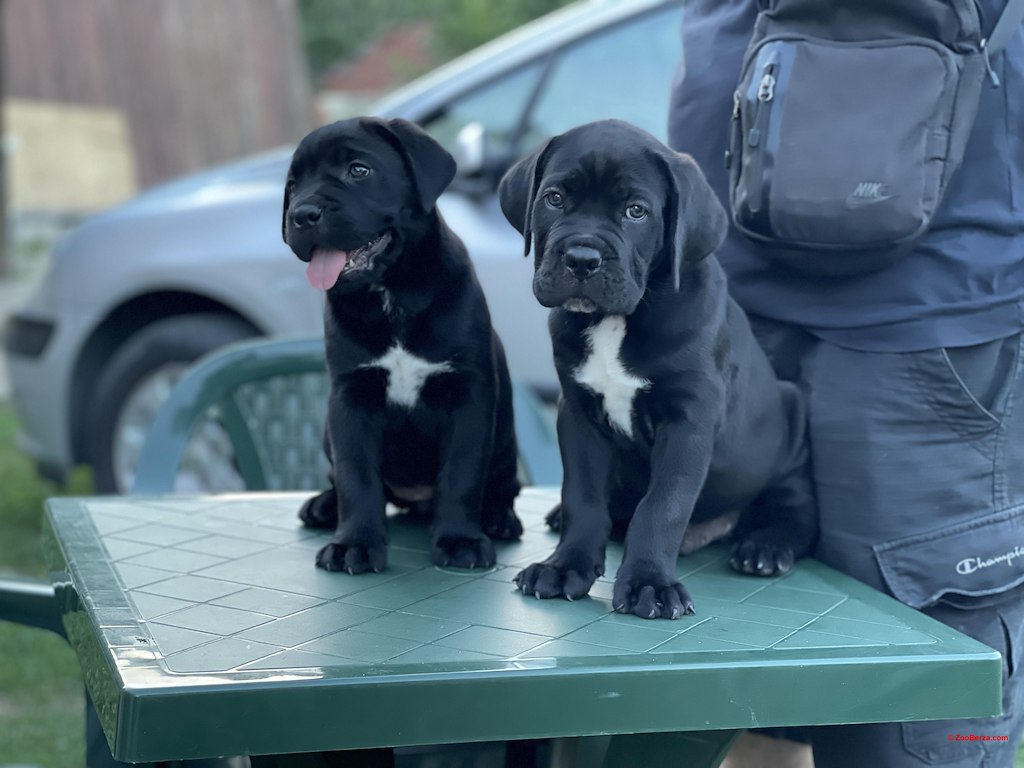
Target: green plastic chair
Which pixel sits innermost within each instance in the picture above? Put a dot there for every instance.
(270, 399)
(266, 398)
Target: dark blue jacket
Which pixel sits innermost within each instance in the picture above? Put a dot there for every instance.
(964, 282)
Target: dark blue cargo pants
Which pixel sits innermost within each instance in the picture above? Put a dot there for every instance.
(918, 461)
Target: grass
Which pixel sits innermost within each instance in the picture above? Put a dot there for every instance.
(42, 706)
(41, 699)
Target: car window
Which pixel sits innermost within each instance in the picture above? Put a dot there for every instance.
(624, 72)
(498, 107)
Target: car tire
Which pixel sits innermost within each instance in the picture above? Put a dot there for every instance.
(167, 345)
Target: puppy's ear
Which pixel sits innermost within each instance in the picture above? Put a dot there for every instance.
(518, 189)
(429, 164)
(696, 222)
(284, 210)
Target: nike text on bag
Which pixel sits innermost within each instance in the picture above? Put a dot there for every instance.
(849, 120)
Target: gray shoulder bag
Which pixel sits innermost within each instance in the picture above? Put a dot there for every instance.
(849, 120)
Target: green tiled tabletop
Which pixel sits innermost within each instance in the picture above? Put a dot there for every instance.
(205, 617)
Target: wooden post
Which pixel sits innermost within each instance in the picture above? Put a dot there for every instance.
(5, 245)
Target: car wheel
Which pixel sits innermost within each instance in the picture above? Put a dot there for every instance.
(135, 383)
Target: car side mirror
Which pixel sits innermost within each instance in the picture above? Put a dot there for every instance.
(481, 161)
(470, 150)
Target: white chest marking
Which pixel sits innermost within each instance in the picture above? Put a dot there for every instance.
(603, 372)
(406, 374)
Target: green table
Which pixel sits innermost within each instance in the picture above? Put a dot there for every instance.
(204, 629)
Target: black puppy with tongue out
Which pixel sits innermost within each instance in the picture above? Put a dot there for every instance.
(420, 408)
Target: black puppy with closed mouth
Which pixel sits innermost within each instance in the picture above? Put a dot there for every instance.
(670, 412)
(420, 405)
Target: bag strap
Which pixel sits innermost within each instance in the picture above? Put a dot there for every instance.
(1006, 26)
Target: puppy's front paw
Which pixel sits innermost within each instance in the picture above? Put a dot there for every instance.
(558, 576)
(352, 557)
(648, 594)
(462, 551)
(760, 556)
(321, 511)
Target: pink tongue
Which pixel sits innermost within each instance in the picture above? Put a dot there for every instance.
(325, 268)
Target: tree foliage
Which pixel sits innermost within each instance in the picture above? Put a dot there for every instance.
(334, 30)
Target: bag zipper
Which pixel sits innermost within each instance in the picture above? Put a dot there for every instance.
(758, 128)
(735, 132)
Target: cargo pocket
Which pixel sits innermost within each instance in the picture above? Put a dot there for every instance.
(965, 565)
(971, 577)
(968, 387)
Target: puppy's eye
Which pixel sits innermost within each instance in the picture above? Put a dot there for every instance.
(636, 212)
(358, 170)
(554, 199)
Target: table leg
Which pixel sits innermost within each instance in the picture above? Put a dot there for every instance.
(581, 751)
(352, 758)
(695, 748)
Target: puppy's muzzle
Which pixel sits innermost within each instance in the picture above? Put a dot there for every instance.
(307, 215)
(582, 261)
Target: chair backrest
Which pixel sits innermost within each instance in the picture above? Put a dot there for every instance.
(250, 416)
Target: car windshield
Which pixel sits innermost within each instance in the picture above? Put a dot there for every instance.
(623, 71)
(498, 107)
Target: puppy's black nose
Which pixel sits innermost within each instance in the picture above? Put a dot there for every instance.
(582, 261)
(307, 215)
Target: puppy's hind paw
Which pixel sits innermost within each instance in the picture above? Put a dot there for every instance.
(352, 558)
(761, 558)
(503, 525)
(321, 511)
(554, 518)
(463, 552)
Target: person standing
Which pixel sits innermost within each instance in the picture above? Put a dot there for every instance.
(915, 381)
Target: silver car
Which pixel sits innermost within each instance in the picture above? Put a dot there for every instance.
(135, 294)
